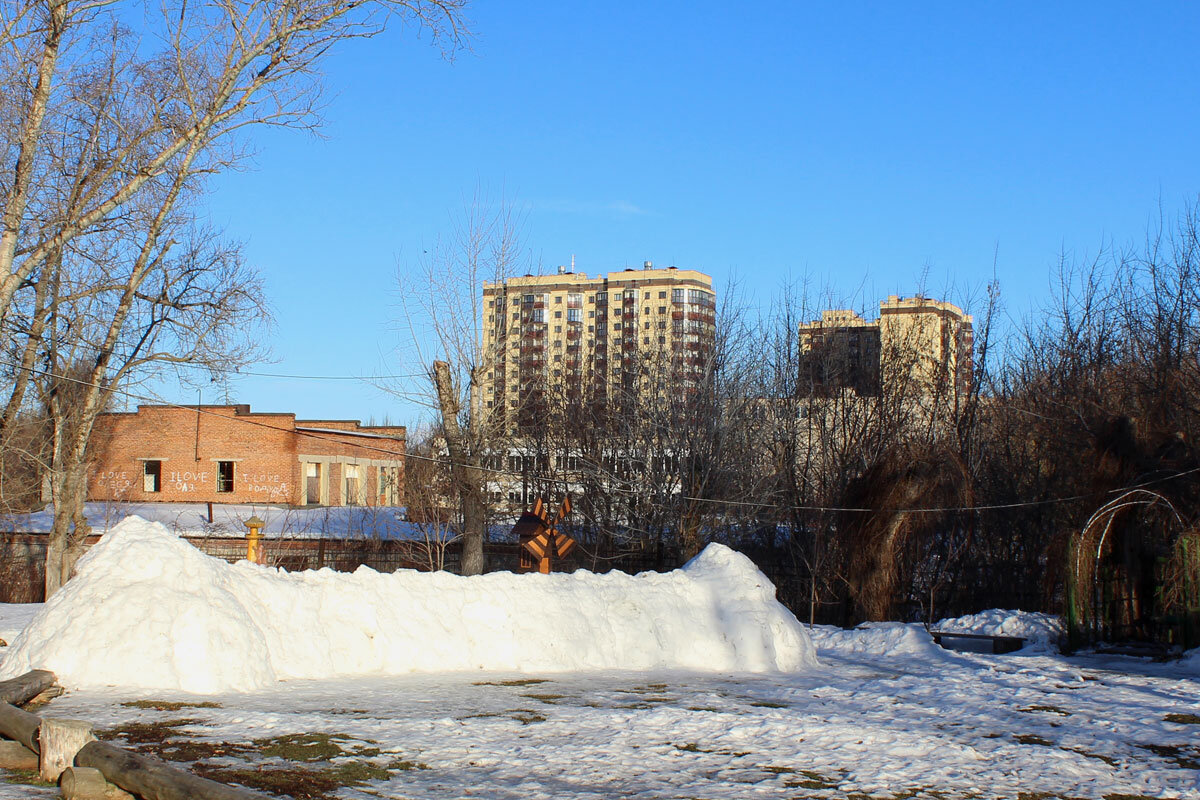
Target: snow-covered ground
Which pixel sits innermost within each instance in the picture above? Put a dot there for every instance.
(883, 713)
(14, 617)
(884, 720)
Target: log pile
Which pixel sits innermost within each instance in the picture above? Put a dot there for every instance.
(87, 769)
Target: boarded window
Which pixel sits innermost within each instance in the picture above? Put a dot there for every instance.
(312, 484)
(354, 484)
(224, 476)
(152, 476)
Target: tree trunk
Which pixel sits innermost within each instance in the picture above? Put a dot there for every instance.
(468, 479)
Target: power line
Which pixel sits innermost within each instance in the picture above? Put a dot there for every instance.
(566, 482)
(364, 378)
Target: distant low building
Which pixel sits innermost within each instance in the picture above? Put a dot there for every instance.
(227, 454)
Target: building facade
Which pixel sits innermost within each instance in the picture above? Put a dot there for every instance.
(926, 343)
(592, 337)
(227, 454)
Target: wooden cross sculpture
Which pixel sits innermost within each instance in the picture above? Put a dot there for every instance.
(541, 541)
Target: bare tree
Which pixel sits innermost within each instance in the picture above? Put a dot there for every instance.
(442, 318)
(104, 274)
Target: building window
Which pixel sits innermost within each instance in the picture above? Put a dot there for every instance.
(354, 484)
(312, 483)
(557, 299)
(647, 296)
(558, 315)
(152, 476)
(224, 476)
(539, 315)
(390, 485)
(662, 309)
(572, 315)
(677, 295)
(662, 295)
(616, 326)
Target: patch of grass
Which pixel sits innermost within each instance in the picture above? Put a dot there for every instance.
(306, 783)
(769, 704)
(303, 747)
(167, 705)
(649, 688)
(1112, 762)
(1029, 738)
(550, 699)
(691, 747)
(23, 777)
(778, 770)
(808, 779)
(1183, 719)
(514, 682)
(1128, 797)
(704, 708)
(1048, 710)
(527, 717)
(147, 733)
(1185, 757)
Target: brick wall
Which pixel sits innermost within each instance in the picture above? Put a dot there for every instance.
(197, 449)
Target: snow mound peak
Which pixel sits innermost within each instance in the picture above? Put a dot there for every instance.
(146, 609)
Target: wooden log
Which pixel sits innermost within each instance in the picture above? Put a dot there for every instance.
(152, 779)
(59, 740)
(17, 691)
(86, 783)
(20, 726)
(14, 755)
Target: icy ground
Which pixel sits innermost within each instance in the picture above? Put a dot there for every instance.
(885, 715)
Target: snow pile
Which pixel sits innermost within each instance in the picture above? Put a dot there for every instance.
(884, 639)
(1041, 632)
(147, 609)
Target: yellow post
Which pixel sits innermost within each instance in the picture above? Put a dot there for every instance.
(254, 539)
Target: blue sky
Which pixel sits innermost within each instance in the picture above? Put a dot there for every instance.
(860, 145)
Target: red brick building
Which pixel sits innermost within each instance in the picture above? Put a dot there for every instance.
(226, 454)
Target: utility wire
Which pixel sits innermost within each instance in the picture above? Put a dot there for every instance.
(364, 378)
(567, 482)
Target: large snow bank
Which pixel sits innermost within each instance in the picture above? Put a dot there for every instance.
(147, 609)
(1041, 632)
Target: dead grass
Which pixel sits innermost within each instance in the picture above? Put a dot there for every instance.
(1183, 719)
(1183, 756)
(167, 705)
(23, 777)
(1048, 710)
(514, 682)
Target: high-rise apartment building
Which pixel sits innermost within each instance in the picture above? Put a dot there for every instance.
(924, 341)
(592, 339)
